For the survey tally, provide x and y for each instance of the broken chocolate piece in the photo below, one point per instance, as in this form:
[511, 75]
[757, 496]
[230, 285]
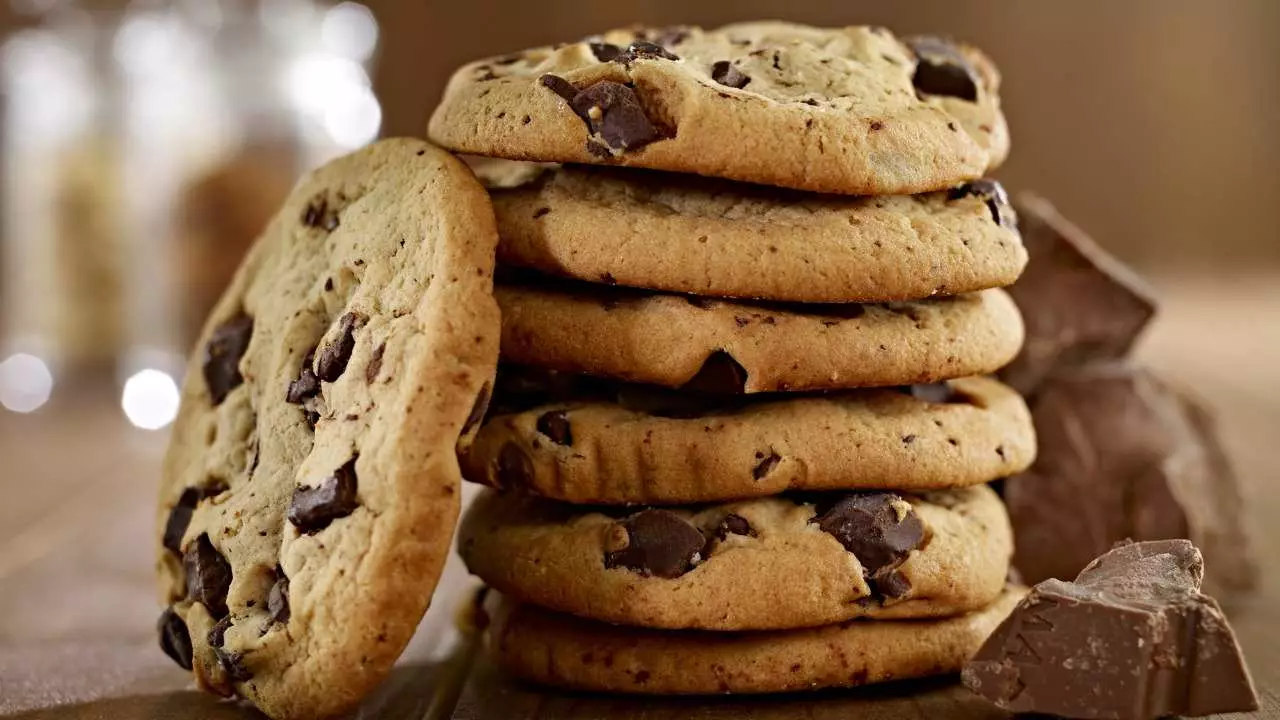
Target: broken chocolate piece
[1135, 467]
[335, 356]
[314, 508]
[726, 73]
[656, 542]
[175, 640]
[613, 111]
[993, 193]
[1132, 638]
[1078, 302]
[555, 425]
[879, 528]
[180, 516]
[941, 69]
[222, 356]
[208, 576]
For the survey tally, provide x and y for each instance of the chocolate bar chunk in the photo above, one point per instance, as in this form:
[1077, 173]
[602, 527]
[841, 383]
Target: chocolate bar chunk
[1121, 458]
[1079, 303]
[1132, 638]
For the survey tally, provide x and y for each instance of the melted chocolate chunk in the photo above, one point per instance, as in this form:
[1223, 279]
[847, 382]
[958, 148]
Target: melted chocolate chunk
[996, 198]
[613, 111]
[657, 543]
[180, 515]
[942, 69]
[208, 576]
[726, 73]
[720, 373]
[175, 640]
[514, 468]
[335, 356]
[733, 525]
[645, 49]
[559, 86]
[314, 508]
[605, 52]
[555, 425]
[222, 356]
[879, 528]
[766, 464]
[278, 598]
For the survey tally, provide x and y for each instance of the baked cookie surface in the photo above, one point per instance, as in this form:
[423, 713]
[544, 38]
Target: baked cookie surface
[640, 445]
[697, 343]
[310, 488]
[850, 110]
[716, 238]
[806, 560]
[569, 652]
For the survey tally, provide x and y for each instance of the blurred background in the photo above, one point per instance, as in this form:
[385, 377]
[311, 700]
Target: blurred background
[145, 143]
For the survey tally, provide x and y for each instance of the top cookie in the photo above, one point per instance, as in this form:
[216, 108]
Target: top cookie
[310, 489]
[845, 110]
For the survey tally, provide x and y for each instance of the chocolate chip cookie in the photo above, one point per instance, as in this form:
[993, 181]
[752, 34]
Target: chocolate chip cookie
[850, 110]
[568, 652]
[716, 238]
[310, 489]
[645, 446]
[765, 564]
[697, 343]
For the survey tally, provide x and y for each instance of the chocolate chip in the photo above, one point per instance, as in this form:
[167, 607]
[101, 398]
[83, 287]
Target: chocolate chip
[208, 576]
[996, 198]
[306, 385]
[278, 598]
[658, 543]
[605, 52]
[222, 356]
[555, 425]
[613, 111]
[942, 70]
[375, 364]
[514, 468]
[175, 640]
[232, 662]
[313, 508]
[335, 356]
[766, 465]
[720, 373]
[725, 73]
[478, 408]
[645, 49]
[733, 525]
[559, 86]
[894, 584]
[879, 528]
[180, 515]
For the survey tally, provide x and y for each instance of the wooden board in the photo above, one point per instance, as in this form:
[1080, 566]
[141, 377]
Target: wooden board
[77, 605]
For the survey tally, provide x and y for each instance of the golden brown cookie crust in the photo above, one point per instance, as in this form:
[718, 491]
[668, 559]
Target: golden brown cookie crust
[824, 110]
[789, 574]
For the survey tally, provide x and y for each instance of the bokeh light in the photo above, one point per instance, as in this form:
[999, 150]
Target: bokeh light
[150, 399]
[25, 383]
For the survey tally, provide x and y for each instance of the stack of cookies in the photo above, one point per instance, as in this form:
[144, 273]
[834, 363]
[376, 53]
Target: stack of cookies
[742, 385]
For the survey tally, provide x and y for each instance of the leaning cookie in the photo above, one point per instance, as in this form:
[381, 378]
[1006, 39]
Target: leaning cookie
[696, 343]
[850, 110]
[310, 488]
[638, 450]
[807, 560]
[568, 652]
[716, 238]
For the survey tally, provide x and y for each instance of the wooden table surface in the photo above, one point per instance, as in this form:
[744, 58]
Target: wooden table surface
[77, 606]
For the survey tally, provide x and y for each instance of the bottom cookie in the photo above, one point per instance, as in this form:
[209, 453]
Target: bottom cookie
[564, 651]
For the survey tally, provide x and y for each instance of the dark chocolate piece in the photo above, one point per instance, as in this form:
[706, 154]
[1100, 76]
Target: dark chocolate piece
[720, 373]
[733, 525]
[180, 515]
[1078, 302]
[314, 508]
[555, 425]
[1132, 639]
[879, 528]
[655, 542]
[995, 196]
[941, 69]
[728, 74]
[222, 356]
[333, 358]
[278, 598]
[613, 111]
[175, 639]
[208, 576]
[605, 52]
[232, 662]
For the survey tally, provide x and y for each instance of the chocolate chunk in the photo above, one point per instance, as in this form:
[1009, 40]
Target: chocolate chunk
[232, 662]
[1079, 303]
[1119, 455]
[733, 525]
[605, 52]
[645, 49]
[613, 111]
[879, 528]
[304, 387]
[478, 409]
[222, 356]
[335, 356]
[559, 86]
[893, 584]
[208, 576]
[555, 425]
[318, 214]
[720, 373]
[765, 465]
[514, 468]
[657, 543]
[175, 640]
[726, 73]
[941, 69]
[313, 508]
[992, 192]
[278, 598]
[1132, 638]
[375, 364]
[180, 516]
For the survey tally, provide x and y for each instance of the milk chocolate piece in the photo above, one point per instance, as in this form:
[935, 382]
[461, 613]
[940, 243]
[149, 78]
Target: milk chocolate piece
[1079, 303]
[1119, 458]
[1132, 638]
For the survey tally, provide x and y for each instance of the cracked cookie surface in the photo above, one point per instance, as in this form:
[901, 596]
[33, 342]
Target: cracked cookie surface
[765, 564]
[850, 110]
[310, 488]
